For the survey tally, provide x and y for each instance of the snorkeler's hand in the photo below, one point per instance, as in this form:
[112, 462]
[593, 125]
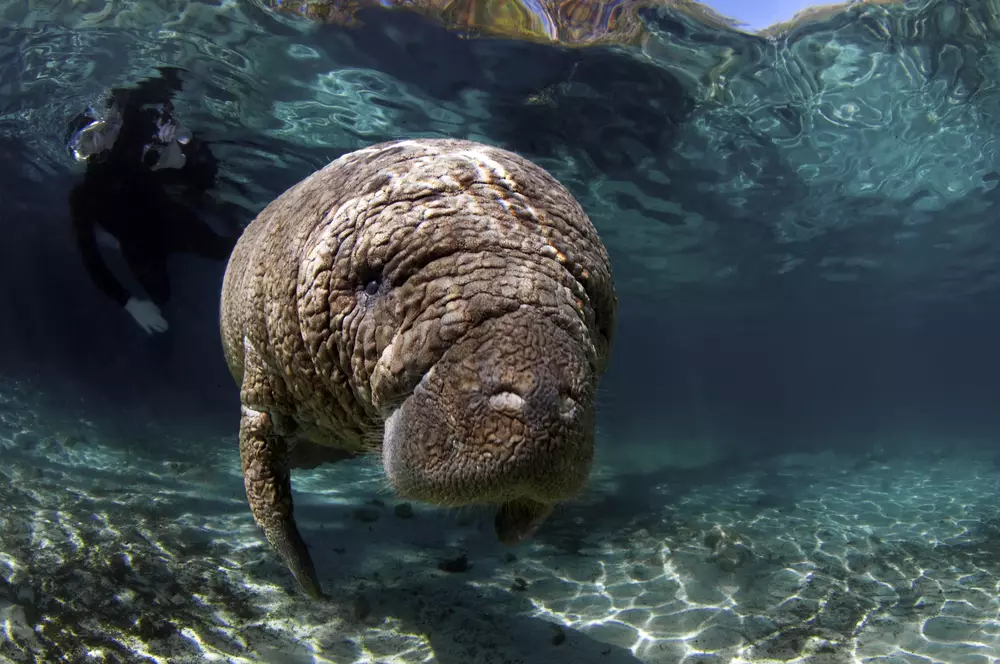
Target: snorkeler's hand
[146, 314]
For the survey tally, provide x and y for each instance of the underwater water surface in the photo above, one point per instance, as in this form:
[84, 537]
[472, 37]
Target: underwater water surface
[798, 438]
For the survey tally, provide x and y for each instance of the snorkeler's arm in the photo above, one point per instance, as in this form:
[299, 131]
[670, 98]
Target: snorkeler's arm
[85, 235]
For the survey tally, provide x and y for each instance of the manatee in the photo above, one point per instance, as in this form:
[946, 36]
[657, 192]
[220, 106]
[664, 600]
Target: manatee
[443, 304]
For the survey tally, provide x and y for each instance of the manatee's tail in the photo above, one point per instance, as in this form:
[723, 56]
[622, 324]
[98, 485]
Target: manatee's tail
[264, 456]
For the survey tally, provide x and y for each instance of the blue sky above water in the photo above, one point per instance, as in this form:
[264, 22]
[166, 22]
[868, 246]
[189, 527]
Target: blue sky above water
[758, 14]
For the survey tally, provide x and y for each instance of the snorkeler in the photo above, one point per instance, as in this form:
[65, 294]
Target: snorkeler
[145, 175]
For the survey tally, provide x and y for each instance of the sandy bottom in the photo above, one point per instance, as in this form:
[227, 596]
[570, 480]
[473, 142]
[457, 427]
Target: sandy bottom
[124, 548]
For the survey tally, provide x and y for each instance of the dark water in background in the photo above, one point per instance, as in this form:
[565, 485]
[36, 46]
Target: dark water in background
[731, 177]
[802, 227]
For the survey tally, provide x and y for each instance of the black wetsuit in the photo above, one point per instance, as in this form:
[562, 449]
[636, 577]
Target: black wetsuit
[150, 213]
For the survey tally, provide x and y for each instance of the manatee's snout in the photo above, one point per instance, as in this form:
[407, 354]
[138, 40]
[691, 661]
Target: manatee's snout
[505, 417]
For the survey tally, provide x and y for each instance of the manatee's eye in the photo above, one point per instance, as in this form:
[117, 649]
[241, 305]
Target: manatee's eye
[370, 275]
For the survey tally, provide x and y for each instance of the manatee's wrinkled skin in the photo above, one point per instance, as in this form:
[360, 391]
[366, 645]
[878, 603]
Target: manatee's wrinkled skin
[442, 302]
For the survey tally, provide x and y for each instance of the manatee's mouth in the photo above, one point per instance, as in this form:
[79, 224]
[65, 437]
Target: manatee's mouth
[435, 475]
[504, 417]
[518, 519]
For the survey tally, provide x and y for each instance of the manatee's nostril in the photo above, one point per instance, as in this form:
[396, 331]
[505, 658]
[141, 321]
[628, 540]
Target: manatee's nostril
[507, 401]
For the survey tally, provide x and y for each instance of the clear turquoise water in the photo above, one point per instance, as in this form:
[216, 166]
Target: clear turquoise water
[797, 437]
[109, 554]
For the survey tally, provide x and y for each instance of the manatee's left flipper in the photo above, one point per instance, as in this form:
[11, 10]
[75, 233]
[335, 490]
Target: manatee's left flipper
[264, 455]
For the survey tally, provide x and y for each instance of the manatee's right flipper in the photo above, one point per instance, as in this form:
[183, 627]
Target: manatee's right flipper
[264, 456]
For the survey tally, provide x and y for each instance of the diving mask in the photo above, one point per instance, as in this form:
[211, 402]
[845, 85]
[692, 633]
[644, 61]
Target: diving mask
[96, 137]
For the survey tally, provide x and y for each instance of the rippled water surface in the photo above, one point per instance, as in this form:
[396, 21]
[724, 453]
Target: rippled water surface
[679, 141]
[798, 456]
